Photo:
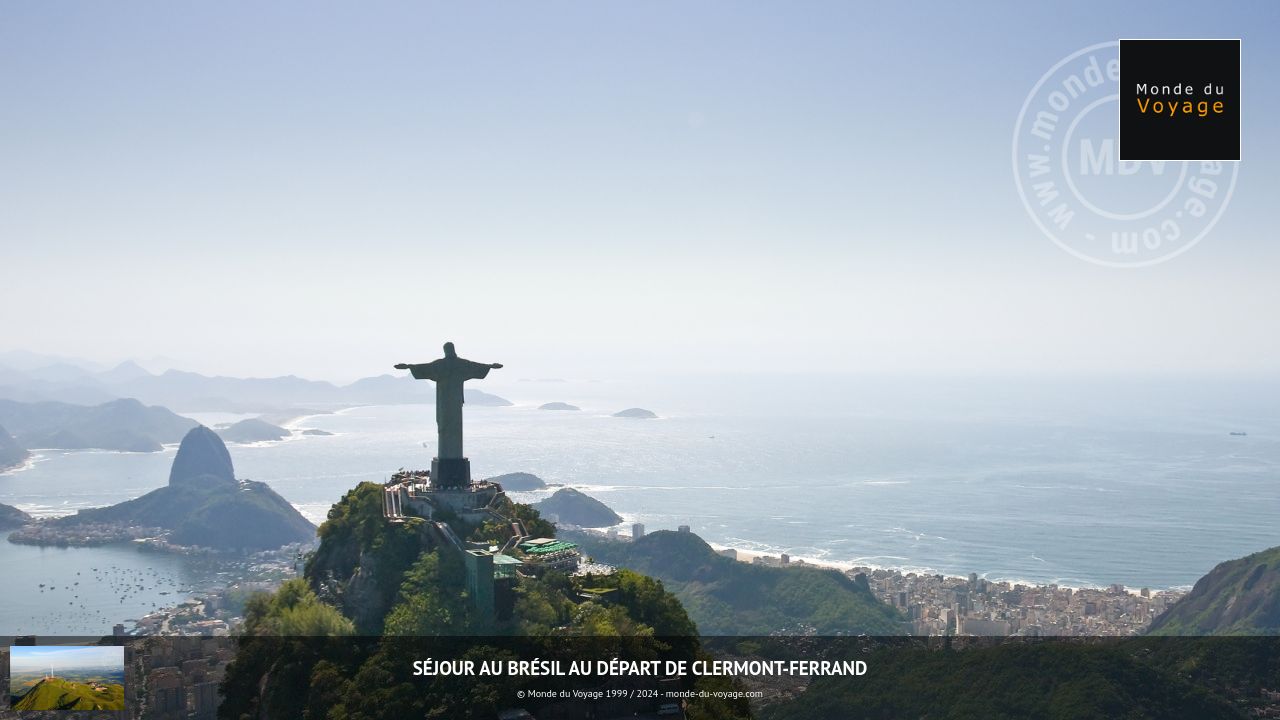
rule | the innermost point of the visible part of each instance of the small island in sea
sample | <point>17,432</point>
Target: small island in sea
<point>577,508</point>
<point>519,481</point>
<point>558,406</point>
<point>204,506</point>
<point>638,413</point>
<point>253,430</point>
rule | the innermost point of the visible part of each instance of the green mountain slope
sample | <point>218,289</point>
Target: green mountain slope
<point>59,694</point>
<point>727,597</point>
<point>404,592</point>
<point>1238,597</point>
<point>253,430</point>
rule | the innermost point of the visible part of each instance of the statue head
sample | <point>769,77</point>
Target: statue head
<point>449,351</point>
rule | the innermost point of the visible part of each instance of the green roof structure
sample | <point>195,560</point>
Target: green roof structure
<point>547,548</point>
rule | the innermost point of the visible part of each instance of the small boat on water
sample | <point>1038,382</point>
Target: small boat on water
<point>1239,434</point>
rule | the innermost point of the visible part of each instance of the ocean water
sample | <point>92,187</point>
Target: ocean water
<point>1084,482</point>
<point>86,591</point>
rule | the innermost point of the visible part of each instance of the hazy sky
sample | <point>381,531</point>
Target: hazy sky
<point>580,188</point>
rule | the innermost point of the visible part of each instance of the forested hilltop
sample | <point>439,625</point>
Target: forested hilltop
<point>728,597</point>
<point>1238,597</point>
<point>339,642</point>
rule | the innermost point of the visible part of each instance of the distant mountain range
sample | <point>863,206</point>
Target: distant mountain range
<point>1238,597</point>
<point>193,392</point>
<point>203,505</point>
<point>115,425</point>
<point>73,407</point>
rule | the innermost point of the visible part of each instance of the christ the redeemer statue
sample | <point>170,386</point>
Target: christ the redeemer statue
<point>450,468</point>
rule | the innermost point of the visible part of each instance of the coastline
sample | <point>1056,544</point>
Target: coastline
<point>750,556</point>
<point>747,549</point>
<point>293,422</point>
<point>29,462</point>
<point>936,604</point>
<point>743,554</point>
<point>312,512</point>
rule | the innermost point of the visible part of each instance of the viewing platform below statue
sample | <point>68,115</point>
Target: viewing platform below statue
<point>411,493</point>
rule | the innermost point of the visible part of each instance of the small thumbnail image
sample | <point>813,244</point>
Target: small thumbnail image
<point>69,677</point>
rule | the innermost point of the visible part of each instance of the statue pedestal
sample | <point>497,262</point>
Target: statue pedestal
<point>450,472</point>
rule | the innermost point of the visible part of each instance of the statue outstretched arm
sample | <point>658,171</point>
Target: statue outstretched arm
<point>424,371</point>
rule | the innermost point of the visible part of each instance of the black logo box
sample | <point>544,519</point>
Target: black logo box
<point>1210,132</point>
